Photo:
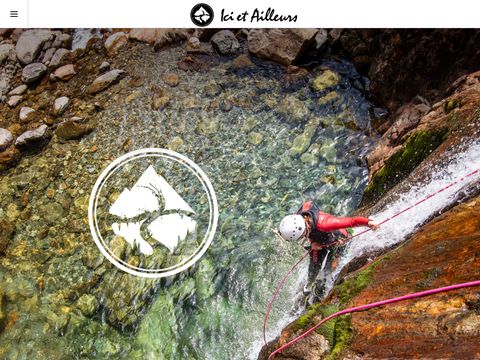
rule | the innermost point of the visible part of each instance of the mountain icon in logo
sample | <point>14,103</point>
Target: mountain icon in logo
<point>135,205</point>
<point>201,15</point>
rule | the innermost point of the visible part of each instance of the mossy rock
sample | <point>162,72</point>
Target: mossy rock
<point>415,149</point>
<point>325,80</point>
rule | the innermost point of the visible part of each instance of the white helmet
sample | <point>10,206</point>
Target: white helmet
<point>292,227</point>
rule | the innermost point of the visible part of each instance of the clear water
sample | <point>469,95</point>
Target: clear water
<point>215,309</point>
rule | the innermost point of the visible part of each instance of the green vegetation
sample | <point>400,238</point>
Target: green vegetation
<point>415,149</point>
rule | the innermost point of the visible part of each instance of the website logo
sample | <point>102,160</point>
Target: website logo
<point>201,15</point>
<point>153,212</point>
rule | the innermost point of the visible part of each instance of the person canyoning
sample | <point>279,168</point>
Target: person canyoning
<point>324,232</point>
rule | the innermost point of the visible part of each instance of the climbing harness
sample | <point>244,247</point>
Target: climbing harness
<point>368,306</point>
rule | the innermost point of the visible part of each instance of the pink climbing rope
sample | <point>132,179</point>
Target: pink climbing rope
<point>272,300</point>
<point>276,293</point>
<point>375,304</point>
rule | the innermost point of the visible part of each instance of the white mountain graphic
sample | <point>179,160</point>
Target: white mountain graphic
<point>200,14</point>
<point>142,198</point>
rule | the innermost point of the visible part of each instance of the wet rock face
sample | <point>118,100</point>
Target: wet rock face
<point>402,63</point>
<point>438,326</point>
<point>280,45</point>
<point>417,130</point>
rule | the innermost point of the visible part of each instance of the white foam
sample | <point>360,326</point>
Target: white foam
<point>397,229</point>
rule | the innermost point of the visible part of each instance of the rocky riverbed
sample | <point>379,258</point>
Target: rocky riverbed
<point>272,116</point>
<point>268,135</point>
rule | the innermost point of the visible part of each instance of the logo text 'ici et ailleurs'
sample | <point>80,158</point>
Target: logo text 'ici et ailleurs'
<point>257,16</point>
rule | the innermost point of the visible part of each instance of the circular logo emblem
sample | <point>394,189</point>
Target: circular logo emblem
<point>201,15</point>
<point>153,212</point>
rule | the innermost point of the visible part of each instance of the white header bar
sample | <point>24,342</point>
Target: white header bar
<point>243,14</point>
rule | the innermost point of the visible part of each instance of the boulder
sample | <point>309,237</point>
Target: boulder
<point>159,37</point>
<point>105,80</point>
<point>30,43</point>
<point>65,72</point>
<point>33,72</point>
<point>6,139</point>
<point>32,140</point>
<point>280,45</point>
<point>116,41</point>
<point>72,130</point>
<point>225,42</point>
<point>60,105</point>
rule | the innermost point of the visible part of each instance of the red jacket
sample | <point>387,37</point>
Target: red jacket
<point>326,223</point>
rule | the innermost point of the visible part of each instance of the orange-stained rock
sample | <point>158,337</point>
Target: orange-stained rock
<point>444,252</point>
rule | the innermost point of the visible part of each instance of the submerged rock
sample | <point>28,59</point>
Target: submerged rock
<point>72,130</point>
<point>9,157</point>
<point>293,109</point>
<point>225,42</point>
<point>325,80</point>
<point>104,81</point>
<point>33,72</point>
<point>255,138</point>
<point>160,102</point>
<point>280,45</point>
<point>172,79</point>
<point>88,304</point>
<point>302,142</point>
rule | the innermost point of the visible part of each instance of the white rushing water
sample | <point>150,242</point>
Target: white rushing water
<point>397,229</point>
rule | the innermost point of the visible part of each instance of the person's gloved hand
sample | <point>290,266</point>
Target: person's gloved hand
<point>372,225</point>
